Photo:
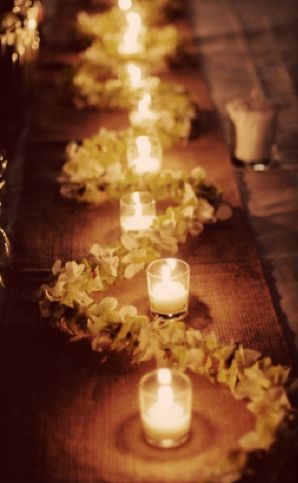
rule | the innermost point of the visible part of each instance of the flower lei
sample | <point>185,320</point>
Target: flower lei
<point>69,301</point>
<point>160,44</point>
<point>95,170</point>
<point>92,89</point>
<point>98,25</point>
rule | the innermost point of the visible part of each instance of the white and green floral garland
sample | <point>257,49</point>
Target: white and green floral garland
<point>92,89</point>
<point>70,301</point>
<point>98,25</point>
<point>95,170</point>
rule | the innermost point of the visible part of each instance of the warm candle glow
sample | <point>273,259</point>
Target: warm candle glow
<point>135,75</point>
<point>145,161</point>
<point>165,403</point>
<point>144,115</point>
<point>165,397</point>
<point>134,21</point>
<point>144,154</point>
<point>125,5</point>
<point>168,287</point>
<point>144,105</point>
<point>137,214</point>
<point>164,376</point>
<point>144,146</point>
<point>130,43</point>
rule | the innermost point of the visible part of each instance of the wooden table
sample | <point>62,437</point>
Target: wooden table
<point>68,417</point>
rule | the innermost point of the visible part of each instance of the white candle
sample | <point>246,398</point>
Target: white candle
<point>168,287</point>
<point>168,296</point>
<point>137,211</point>
<point>165,405</point>
<point>131,43</point>
<point>144,115</point>
<point>145,161</point>
<point>134,21</point>
<point>124,5</point>
<point>166,419</point>
<point>134,74</point>
<point>137,222</point>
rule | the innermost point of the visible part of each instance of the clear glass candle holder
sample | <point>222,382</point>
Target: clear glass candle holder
<point>165,400</point>
<point>137,211</point>
<point>144,154</point>
<point>168,287</point>
<point>145,116</point>
<point>133,75</point>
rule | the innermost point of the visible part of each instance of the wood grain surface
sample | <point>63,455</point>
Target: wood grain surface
<point>67,416</point>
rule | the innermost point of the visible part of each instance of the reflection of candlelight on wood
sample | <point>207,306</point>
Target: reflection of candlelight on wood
<point>144,155</point>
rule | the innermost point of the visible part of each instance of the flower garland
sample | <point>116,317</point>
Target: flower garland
<point>99,25</point>
<point>159,44</point>
<point>68,301</point>
<point>96,170</point>
<point>92,89</point>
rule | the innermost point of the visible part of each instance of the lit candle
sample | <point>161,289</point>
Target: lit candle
<point>131,42</point>
<point>144,115</point>
<point>168,287</point>
<point>165,404</point>
<point>124,5</point>
<point>144,154</point>
<point>137,211</point>
<point>134,22</point>
<point>134,75</point>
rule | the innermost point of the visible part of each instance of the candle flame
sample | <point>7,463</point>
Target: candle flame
<point>130,43</point>
<point>144,146</point>
<point>134,21</point>
<point>165,396</point>
<point>32,24</point>
<point>144,104</point>
<point>137,201</point>
<point>166,270</point>
<point>164,376</point>
<point>125,5</point>
<point>135,74</point>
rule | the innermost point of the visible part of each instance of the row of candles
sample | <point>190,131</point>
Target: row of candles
<point>165,396</point>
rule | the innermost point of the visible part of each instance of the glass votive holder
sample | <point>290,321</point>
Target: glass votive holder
<point>144,154</point>
<point>137,211</point>
<point>165,400</point>
<point>133,75</point>
<point>124,5</point>
<point>168,287</point>
<point>144,116</point>
<point>253,131</point>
